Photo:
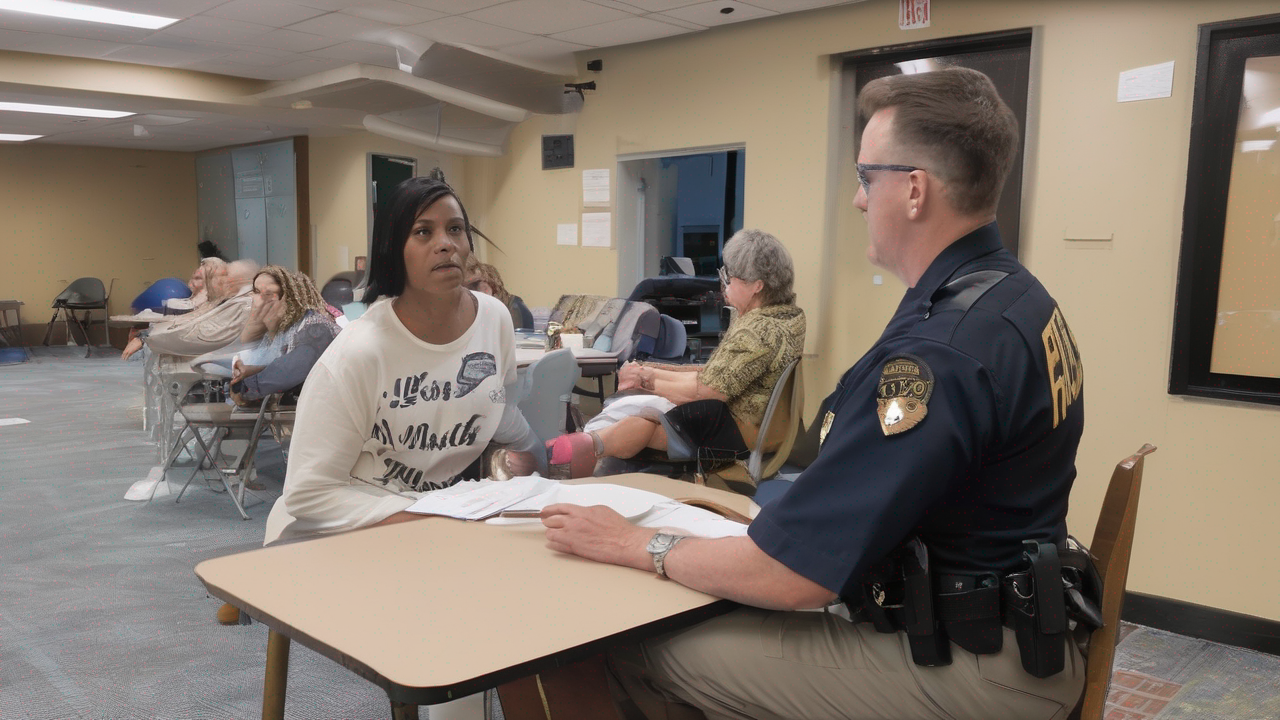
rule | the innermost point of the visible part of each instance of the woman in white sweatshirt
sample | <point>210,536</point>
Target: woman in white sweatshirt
<point>406,398</point>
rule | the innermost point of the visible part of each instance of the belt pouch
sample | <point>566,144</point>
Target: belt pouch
<point>971,617</point>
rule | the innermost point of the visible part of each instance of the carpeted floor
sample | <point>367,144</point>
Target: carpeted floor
<point>101,615</point>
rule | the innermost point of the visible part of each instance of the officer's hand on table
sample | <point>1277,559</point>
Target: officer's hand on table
<point>597,533</point>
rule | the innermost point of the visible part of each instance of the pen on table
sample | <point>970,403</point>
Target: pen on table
<point>520,514</point>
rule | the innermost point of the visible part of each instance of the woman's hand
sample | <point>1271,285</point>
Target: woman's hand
<point>597,533</point>
<point>274,312</point>
<point>240,371</point>
<point>135,344</point>
<point>629,376</point>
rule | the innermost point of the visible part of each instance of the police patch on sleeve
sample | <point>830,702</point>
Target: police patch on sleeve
<point>902,396</point>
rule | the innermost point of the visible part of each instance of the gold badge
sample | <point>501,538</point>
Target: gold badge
<point>826,427</point>
<point>906,383</point>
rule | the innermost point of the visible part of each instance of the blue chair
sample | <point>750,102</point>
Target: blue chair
<point>673,340</point>
<point>551,380</point>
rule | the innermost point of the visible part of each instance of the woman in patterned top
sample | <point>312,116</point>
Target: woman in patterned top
<point>720,405</point>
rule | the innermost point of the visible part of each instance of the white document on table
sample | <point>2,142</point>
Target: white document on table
<point>480,499</point>
<point>643,508</point>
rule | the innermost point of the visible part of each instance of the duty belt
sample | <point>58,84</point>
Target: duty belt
<point>903,593</point>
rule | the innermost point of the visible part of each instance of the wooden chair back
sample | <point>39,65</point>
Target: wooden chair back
<point>1112,543</point>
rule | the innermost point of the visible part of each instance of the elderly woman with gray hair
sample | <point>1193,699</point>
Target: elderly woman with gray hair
<point>720,405</point>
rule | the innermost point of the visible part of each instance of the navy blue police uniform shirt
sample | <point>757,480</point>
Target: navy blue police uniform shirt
<point>960,426</point>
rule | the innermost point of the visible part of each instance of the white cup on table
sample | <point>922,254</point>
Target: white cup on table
<point>573,341</point>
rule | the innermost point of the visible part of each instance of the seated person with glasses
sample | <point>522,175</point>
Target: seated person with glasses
<point>213,325</point>
<point>718,406</point>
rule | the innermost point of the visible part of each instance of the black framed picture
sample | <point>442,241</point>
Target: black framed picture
<point>1226,334</point>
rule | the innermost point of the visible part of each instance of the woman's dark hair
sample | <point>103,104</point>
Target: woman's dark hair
<point>391,230</point>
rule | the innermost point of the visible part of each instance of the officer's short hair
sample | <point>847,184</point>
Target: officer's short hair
<point>756,255</point>
<point>956,119</point>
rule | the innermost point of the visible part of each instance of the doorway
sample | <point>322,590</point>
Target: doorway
<point>385,172</point>
<point>681,204</point>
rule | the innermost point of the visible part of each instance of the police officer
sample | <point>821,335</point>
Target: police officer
<point>958,428</point>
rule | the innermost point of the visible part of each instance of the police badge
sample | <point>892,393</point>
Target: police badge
<point>906,383</point>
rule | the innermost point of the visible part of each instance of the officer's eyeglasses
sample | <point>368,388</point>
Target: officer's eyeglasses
<point>864,168</point>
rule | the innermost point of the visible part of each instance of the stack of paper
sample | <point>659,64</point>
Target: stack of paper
<point>480,499</point>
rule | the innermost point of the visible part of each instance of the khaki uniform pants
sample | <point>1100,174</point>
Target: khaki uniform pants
<point>764,665</point>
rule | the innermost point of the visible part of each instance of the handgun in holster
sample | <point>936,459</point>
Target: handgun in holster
<point>1035,605</point>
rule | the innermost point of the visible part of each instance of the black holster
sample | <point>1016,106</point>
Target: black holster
<point>1036,609</point>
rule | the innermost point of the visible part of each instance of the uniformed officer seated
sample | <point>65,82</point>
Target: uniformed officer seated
<point>934,514</point>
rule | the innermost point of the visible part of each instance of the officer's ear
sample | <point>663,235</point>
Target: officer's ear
<point>920,188</point>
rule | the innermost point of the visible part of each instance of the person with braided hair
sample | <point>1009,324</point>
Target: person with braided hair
<point>291,326</point>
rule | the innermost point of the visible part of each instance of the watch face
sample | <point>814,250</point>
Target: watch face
<point>660,542</point>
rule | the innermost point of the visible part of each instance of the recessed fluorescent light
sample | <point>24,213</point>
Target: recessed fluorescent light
<point>87,13</point>
<point>10,137</point>
<point>62,110</point>
<point>1256,145</point>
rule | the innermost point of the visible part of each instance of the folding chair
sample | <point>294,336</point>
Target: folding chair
<point>778,430</point>
<point>1112,544</point>
<point>223,420</point>
<point>85,294</point>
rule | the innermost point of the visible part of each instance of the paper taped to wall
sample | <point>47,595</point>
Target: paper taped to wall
<point>1146,83</point>
<point>567,234</point>
<point>596,229</point>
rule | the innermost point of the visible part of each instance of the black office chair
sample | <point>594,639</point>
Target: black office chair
<point>526,315</point>
<point>341,288</point>
<point>84,295</point>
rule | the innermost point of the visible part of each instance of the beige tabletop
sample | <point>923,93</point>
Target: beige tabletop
<point>441,607</point>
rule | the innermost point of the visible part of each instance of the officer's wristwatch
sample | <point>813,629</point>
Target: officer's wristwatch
<point>659,546</point>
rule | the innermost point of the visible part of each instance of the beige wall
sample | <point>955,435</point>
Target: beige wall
<point>70,212</point>
<point>339,195</point>
<point>1095,167</point>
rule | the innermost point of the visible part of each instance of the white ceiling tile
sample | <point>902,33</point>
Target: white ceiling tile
<point>163,57</point>
<point>393,13</point>
<point>75,47</point>
<point>265,12</point>
<point>711,14</point>
<point>295,41</point>
<point>620,32</point>
<point>340,26</point>
<point>631,9</point>
<point>330,5</point>
<point>361,52</point>
<point>786,6</point>
<point>661,5</point>
<point>541,48</point>
<point>465,31</point>
<point>213,29</point>
<point>263,48</point>
<point>177,42</point>
<point>15,40</point>
<point>543,17</point>
<point>455,7</point>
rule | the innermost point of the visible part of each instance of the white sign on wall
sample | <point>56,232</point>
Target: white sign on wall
<point>913,14</point>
